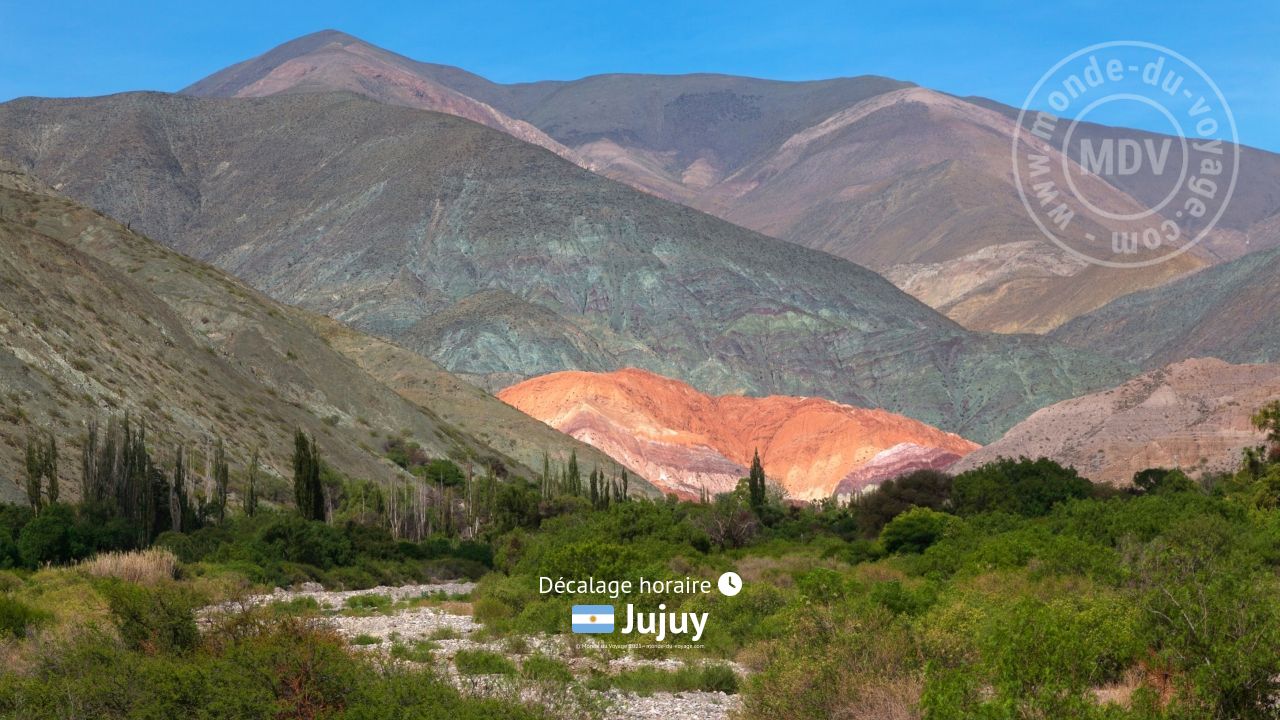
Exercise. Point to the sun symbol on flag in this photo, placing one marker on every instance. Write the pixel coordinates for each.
(593, 618)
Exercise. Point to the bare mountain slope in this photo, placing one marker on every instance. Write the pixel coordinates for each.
(1193, 415)
(1228, 311)
(95, 320)
(502, 261)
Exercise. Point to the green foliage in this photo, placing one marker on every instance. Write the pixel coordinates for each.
(42, 469)
(1211, 604)
(153, 620)
(17, 619)
(541, 668)
(1160, 480)
(483, 662)
(48, 538)
(916, 529)
(712, 677)
(1267, 420)
(372, 602)
(308, 492)
(756, 483)
(420, 651)
(1022, 487)
(922, 488)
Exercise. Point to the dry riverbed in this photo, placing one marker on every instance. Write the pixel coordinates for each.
(437, 618)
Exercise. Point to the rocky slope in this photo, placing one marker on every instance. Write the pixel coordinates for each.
(501, 261)
(1193, 414)
(1228, 311)
(461, 404)
(96, 320)
(686, 441)
(910, 182)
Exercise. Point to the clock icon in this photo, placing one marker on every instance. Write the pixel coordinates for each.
(730, 584)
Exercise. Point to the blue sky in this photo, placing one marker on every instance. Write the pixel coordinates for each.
(994, 49)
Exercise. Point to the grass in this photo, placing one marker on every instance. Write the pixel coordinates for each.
(421, 651)
(541, 668)
(297, 606)
(648, 680)
(445, 633)
(146, 567)
(364, 639)
(483, 662)
(368, 604)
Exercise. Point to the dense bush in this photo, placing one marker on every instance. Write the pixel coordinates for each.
(17, 618)
(152, 619)
(915, 530)
(1023, 487)
(922, 488)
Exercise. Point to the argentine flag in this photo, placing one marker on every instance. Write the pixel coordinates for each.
(593, 619)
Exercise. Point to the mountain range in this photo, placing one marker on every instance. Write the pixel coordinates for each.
(502, 261)
(829, 249)
(907, 181)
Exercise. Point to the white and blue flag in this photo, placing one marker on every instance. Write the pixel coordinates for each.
(593, 619)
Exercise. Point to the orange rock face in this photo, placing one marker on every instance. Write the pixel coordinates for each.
(685, 441)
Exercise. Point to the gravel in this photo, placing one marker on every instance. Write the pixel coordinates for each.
(580, 654)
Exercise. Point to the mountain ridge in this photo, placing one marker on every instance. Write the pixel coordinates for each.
(381, 216)
(692, 137)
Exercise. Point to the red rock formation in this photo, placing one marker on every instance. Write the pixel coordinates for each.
(684, 441)
(1193, 415)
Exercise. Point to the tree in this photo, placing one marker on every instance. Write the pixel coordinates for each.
(915, 530)
(251, 486)
(221, 477)
(1267, 420)
(35, 471)
(42, 465)
(51, 470)
(756, 483)
(1022, 487)
(729, 524)
(308, 492)
(922, 488)
(1159, 481)
(573, 478)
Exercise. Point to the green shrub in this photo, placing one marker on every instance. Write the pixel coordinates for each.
(482, 662)
(689, 678)
(421, 651)
(364, 639)
(915, 530)
(305, 605)
(371, 602)
(153, 619)
(47, 538)
(541, 668)
(17, 619)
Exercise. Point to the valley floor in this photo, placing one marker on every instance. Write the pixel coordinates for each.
(432, 624)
